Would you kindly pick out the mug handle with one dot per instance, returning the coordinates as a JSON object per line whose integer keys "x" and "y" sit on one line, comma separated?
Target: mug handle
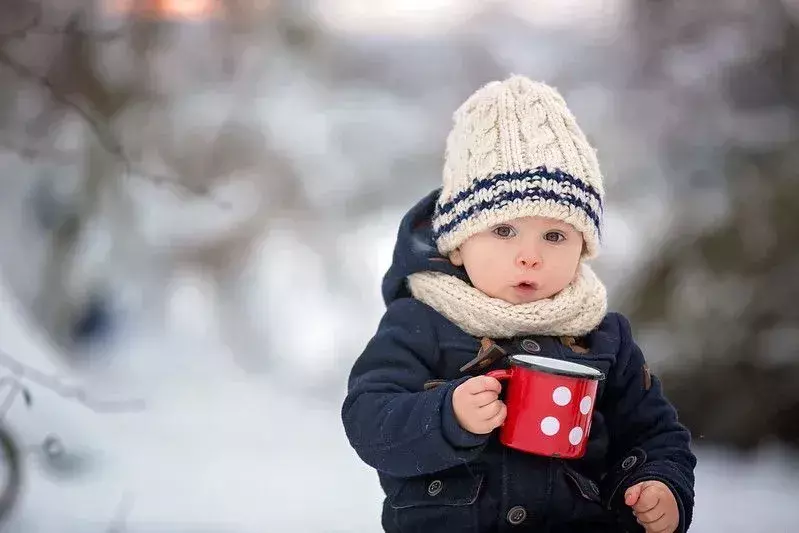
{"x": 502, "y": 373}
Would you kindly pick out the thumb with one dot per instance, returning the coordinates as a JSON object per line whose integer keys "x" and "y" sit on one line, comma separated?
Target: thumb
{"x": 632, "y": 494}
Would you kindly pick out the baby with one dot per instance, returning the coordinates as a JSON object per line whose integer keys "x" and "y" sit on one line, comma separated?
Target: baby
{"x": 492, "y": 264}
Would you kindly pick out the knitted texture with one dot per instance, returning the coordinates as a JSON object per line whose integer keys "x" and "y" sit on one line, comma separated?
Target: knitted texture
{"x": 575, "y": 311}
{"x": 516, "y": 150}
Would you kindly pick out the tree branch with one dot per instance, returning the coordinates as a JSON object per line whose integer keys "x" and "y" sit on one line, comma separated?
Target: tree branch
{"x": 103, "y": 134}
{"x": 24, "y": 31}
{"x": 53, "y": 383}
{"x": 123, "y": 510}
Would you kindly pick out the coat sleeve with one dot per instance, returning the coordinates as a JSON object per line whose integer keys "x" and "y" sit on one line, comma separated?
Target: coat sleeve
{"x": 393, "y": 424}
{"x": 647, "y": 442}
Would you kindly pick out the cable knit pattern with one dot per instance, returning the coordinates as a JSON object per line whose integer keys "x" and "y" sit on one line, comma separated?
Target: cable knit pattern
{"x": 516, "y": 150}
{"x": 476, "y": 119}
{"x": 575, "y": 311}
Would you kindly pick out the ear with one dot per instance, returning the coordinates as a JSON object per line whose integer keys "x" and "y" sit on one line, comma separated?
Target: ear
{"x": 455, "y": 257}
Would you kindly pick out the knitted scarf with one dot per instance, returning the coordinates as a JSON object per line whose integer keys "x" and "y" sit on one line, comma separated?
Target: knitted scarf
{"x": 574, "y": 311}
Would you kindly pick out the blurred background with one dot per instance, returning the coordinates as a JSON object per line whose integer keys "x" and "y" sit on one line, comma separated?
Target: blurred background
{"x": 198, "y": 199}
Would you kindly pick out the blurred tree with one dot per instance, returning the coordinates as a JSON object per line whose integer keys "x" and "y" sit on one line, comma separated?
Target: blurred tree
{"x": 60, "y": 66}
{"x": 59, "y": 61}
{"x": 727, "y": 288}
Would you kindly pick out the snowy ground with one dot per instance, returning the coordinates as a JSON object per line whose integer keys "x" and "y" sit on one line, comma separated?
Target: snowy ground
{"x": 216, "y": 450}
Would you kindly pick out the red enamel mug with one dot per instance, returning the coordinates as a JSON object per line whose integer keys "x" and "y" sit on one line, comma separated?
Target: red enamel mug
{"x": 550, "y": 403}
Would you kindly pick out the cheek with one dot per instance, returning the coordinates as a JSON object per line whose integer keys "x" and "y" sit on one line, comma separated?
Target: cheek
{"x": 566, "y": 266}
{"x": 480, "y": 269}
{"x": 483, "y": 272}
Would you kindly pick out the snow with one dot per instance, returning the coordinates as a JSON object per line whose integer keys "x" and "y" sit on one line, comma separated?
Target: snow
{"x": 216, "y": 449}
{"x": 212, "y": 450}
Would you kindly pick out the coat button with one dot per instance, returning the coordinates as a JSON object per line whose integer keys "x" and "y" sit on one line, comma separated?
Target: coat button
{"x": 435, "y": 487}
{"x": 516, "y": 515}
{"x": 530, "y": 346}
{"x": 629, "y": 462}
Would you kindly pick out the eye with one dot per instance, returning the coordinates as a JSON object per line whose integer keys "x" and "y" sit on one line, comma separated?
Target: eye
{"x": 504, "y": 231}
{"x": 554, "y": 236}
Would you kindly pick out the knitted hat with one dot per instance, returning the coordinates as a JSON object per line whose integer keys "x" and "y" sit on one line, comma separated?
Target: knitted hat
{"x": 516, "y": 150}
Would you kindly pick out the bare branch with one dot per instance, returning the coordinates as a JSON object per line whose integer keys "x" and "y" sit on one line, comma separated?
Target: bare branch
{"x": 53, "y": 383}
{"x": 27, "y": 29}
{"x": 67, "y": 30}
{"x": 93, "y": 105}
{"x": 36, "y": 27}
{"x": 15, "y": 389}
{"x": 124, "y": 508}
{"x": 29, "y": 152}
{"x": 103, "y": 134}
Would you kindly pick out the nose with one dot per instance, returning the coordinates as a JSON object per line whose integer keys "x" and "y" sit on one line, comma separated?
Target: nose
{"x": 528, "y": 257}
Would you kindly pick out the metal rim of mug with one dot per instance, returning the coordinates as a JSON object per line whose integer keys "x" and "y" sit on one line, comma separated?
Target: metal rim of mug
{"x": 558, "y": 367}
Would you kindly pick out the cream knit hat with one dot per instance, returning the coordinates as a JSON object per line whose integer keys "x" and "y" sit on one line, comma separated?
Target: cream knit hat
{"x": 516, "y": 150}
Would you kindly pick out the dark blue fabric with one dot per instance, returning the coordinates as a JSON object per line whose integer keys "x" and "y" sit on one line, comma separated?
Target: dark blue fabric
{"x": 440, "y": 477}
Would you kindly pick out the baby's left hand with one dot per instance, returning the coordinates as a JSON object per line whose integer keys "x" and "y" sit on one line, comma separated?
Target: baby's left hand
{"x": 654, "y": 506}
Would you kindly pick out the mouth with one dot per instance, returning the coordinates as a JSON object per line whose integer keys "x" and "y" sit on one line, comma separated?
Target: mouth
{"x": 527, "y": 286}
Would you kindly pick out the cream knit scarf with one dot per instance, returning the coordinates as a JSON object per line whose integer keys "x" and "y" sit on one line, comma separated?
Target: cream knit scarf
{"x": 575, "y": 311}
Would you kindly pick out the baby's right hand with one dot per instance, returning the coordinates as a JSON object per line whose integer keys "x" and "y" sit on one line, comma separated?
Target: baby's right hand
{"x": 477, "y": 405}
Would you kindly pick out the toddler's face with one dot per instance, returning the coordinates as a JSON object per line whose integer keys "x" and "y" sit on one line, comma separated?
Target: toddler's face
{"x": 523, "y": 260}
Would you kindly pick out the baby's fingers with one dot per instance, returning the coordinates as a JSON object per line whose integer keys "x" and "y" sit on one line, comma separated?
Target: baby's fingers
{"x": 650, "y": 517}
{"x": 648, "y": 499}
{"x": 501, "y": 411}
{"x": 484, "y": 398}
{"x": 491, "y": 384}
{"x": 479, "y": 384}
{"x": 660, "y": 525}
{"x": 487, "y": 412}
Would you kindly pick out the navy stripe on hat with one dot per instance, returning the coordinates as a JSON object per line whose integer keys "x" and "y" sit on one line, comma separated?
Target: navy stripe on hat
{"x": 533, "y": 191}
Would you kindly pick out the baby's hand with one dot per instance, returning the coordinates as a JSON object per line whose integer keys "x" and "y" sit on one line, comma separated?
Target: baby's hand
{"x": 654, "y": 506}
{"x": 477, "y": 405}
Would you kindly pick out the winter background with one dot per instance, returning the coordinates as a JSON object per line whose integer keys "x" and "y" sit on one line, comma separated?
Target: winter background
{"x": 198, "y": 200}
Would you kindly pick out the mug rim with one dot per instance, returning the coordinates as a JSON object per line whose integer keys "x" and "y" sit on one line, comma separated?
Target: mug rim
{"x": 561, "y": 367}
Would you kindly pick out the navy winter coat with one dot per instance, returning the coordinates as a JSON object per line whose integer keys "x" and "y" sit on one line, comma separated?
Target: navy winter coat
{"x": 439, "y": 477}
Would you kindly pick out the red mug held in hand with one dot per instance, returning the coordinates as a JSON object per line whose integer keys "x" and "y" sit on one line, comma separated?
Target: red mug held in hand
{"x": 550, "y": 403}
